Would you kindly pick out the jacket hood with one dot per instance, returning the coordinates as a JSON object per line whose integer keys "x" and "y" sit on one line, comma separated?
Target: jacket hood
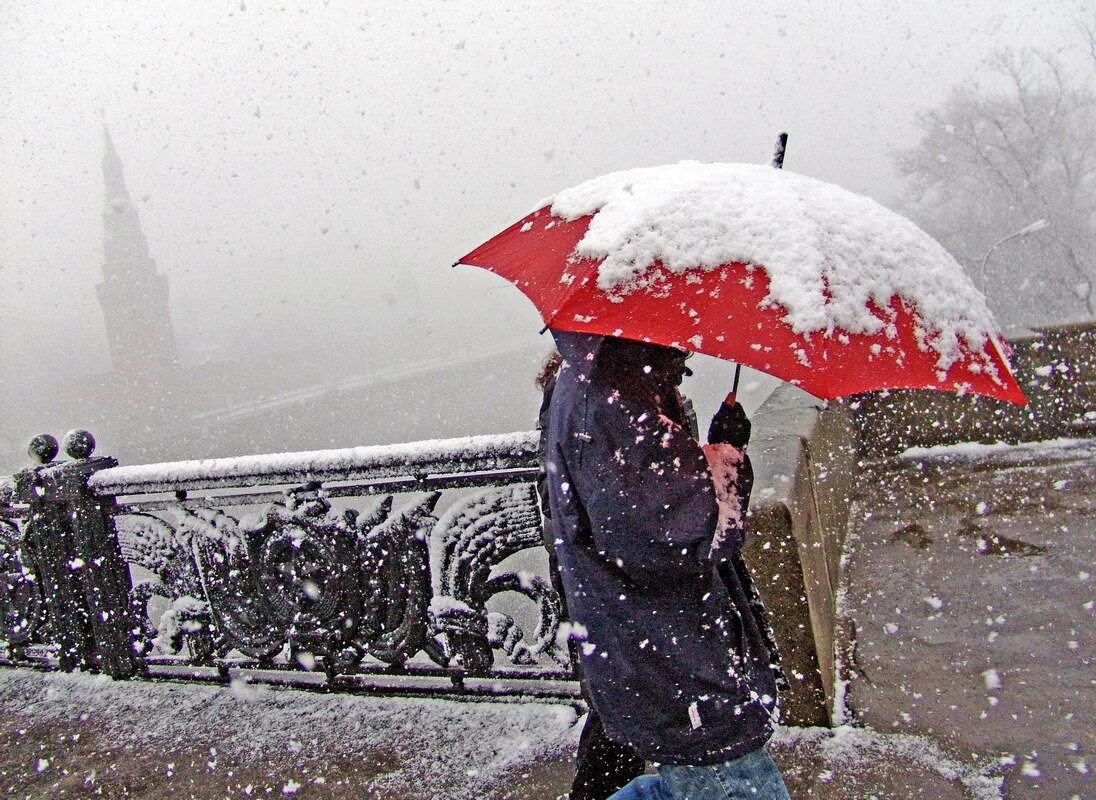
{"x": 629, "y": 359}
{"x": 579, "y": 350}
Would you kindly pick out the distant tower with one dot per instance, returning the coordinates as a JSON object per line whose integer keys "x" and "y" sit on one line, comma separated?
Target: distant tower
{"x": 133, "y": 294}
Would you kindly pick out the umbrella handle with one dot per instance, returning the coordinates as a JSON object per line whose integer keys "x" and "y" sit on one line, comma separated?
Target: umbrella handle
{"x": 732, "y": 395}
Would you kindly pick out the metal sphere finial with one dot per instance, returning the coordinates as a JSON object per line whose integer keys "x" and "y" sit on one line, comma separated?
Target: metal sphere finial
{"x": 78, "y": 444}
{"x": 42, "y": 448}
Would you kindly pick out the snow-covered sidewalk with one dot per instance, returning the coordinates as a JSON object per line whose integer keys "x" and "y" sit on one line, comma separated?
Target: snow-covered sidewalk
{"x": 79, "y": 735}
{"x": 87, "y": 736}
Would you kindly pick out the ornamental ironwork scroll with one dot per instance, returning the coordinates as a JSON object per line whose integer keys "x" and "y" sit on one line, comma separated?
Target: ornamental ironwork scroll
{"x": 329, "y": 586}
{"x": 22, "y": 608}
{"x": 473, "y": 537}
{"x": 399, "y": 559}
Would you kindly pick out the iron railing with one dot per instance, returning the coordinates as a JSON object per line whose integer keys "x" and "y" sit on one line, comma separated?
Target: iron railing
{"x": 402, "y": 568}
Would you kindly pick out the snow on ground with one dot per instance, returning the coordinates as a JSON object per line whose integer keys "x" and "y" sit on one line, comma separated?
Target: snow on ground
{"x": 156, "y": 739}
{"x": 834, "y": 258}
{"x": 979, "y": 450}
{"x": 849, "y": 747}
{"x": 410, "y": 747}
{"x": 443, "y": 748}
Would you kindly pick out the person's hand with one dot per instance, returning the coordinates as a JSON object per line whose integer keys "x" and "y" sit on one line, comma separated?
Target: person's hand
{"x": 730, "y": 425}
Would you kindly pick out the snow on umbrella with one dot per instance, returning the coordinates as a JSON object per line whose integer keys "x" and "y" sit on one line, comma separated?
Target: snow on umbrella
{"x": 792, "y": 276}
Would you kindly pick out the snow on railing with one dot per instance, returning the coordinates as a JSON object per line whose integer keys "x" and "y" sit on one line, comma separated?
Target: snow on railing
{"x": 431, "y": 457}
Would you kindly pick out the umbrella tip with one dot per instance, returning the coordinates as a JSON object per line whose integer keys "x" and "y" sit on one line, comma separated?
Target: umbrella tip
{"x": 779, "y": 148}
{"x": 455, "y": 264}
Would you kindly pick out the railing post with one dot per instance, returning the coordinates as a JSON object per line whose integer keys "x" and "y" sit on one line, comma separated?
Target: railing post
{"x": 67, "y": 612}
{"x": 107, "y": 585}
{"x": 87, "y": 583}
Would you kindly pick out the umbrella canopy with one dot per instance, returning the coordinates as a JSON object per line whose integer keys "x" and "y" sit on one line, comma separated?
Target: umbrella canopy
{"x": 792, "y": 276}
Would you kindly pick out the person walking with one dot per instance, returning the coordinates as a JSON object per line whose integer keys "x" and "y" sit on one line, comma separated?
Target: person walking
{"x": 648, "y": 529}
{"x": 602, "y": 766}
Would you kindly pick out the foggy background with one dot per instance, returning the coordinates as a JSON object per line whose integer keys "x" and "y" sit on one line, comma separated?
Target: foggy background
{"x": 305, "y": 173}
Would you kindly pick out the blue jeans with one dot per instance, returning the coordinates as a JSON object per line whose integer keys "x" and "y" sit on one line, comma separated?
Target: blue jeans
{"x": 754, "y": 776}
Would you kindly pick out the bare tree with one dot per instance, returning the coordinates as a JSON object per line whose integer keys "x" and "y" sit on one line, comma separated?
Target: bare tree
{"x": 1015, "y": 146}
{"x": 1088, "y": 33}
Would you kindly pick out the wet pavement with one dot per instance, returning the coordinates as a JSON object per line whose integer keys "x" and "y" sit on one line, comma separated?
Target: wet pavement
{"x": 968, "y": 608}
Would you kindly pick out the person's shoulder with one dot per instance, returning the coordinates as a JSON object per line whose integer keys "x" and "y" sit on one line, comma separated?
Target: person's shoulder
{"x": 611, "y": 407}
{"x": 590, "y": 420}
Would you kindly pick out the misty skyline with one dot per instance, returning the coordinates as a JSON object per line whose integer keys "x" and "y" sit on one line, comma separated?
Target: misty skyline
{"x": 305, "y": 172}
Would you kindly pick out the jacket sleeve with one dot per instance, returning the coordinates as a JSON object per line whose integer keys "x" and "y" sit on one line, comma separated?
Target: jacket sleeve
{"x": 647, "y": 490}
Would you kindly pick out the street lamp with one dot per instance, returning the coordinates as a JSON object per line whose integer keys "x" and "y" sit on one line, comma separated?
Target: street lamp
{"x": 1038, "y": 225}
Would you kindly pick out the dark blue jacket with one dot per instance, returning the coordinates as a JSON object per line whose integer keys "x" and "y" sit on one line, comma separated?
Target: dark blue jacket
{"x": 675, "y": 661}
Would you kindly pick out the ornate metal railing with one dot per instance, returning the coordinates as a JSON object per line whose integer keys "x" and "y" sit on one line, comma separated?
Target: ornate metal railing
{"x": 404, "y": 568}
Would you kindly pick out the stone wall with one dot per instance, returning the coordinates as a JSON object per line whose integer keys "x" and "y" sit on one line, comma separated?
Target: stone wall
{"x": 806, "y": 456}
{"x": 1056, "y": 368}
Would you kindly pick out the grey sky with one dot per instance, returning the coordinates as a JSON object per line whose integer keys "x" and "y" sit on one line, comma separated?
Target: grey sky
{"x": 293, "y": 161}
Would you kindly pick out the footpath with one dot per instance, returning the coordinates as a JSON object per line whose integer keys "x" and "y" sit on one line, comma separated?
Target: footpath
{"x": 80, "y": 736}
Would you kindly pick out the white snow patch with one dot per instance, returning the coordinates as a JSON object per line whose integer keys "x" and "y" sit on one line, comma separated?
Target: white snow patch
{"x": 991, "y": 679}
{"x": 841, "y": 679}
{"x": 178, "y": 618}
{"x": 834, "y": 259}
{"x": 981, "y": 450}
{"x": 389, "y": 459}
{"x": 846, "y": 746}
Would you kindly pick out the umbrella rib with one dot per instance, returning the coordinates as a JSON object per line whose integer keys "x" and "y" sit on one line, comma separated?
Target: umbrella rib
{"x": 559, "y": 310}
{"x": 567, "y": 298}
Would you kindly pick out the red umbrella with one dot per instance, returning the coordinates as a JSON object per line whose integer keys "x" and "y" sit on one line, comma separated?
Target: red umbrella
{"x": 734, "y": 309}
